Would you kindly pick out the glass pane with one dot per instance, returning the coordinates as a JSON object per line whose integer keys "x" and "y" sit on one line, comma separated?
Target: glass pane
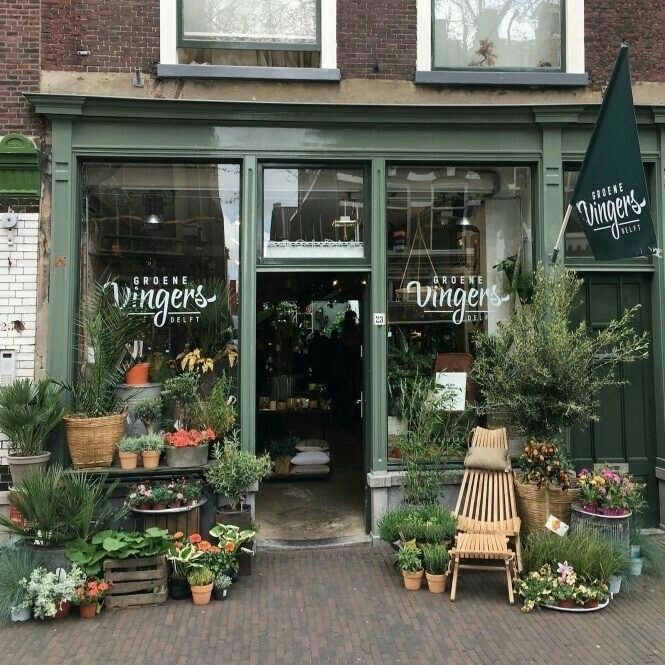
{"x": 497, "y": 33}
{"x": 456, "y": 239}
{"x": 313, "y": 212}
{"x": 269, "y": 21}
{"x": 167, "y": 239}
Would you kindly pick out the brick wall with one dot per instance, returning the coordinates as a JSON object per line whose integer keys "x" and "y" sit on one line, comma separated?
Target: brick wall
{"x": 640, "y": 22}
{"x": 120, "y": 34}
{"x": 18, "y": 297}
{"x": 19, "y": 64}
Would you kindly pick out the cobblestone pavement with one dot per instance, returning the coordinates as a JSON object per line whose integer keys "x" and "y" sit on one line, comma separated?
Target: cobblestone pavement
{"x": 348, "y": 606}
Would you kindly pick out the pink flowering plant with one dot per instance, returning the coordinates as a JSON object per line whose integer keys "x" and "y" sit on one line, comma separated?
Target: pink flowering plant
{"x": 609, "y": 492}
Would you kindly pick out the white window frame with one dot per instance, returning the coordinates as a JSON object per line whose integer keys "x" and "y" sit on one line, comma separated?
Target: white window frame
{"x": 574, "y": 21}
{"x": 168, "y": 30}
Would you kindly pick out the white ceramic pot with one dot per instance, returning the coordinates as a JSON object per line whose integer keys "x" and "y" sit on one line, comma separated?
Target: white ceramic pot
{"x": 636, "y": 566}
{"x": 614, "y": 582}
{"x": 21, "y": 615}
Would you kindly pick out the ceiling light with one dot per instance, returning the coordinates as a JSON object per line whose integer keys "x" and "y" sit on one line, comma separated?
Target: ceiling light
{"x": 153, "y": 219}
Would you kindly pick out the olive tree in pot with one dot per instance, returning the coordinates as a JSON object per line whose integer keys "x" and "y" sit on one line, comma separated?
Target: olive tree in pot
{"x": 29, "y": 411}
{"x": 547, "y": 373}
{"x": 232, "y": 474}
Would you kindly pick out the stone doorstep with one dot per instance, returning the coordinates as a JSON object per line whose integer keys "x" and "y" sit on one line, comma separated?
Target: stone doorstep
{"x": 379, "y": 479}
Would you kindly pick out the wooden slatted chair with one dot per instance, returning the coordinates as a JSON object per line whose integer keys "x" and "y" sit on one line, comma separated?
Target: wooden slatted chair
{"x": 487, "y": 511}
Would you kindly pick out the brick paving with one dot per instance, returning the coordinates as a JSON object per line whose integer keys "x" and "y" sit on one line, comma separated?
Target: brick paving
{"x": 347, "y": 606}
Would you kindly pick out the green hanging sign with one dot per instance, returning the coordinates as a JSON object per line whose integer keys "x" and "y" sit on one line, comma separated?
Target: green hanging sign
{"x": 611, "y": 200}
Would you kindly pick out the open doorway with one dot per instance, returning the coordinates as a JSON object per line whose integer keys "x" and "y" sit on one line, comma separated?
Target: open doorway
{"x": 309, "y": 363}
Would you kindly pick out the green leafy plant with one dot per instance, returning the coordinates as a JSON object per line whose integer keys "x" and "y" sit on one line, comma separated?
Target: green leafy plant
{"x": 50, "y": 589}
{"x": 200, "y": 576}
{"x": 543, "y": 371}
{"x": 29, "y": 411}
{"x": 130, "y": 444}
{"x": 435, "y": 559}
{"x": 105, "y": 329}
{"x": 152, "y": 442}
{"x": 59, "y": 505}
{"x": 218, "y": 411}
{"x": 231, "y": 538}
{"x": 222, "y": 581}
{"x": 181, "y": 392}
{"x": 234, "y": 471}
{"x": 425, "y": 524}
{"x": 409, "y": 559}
{"x": 406, "y": 363}
{"x": 148, "y": 412}
{"x": 16, "y": 566}
{"x": 592, "y": 557}
{"x": 650, "y": 549}
{"x": 109, "y": 544}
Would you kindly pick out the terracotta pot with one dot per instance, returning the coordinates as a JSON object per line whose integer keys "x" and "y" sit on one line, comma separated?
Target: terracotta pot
{"x": 145, "y": 506}
{"x": 413, "y": 581}
{"x": 151, "y": 458}
{"x": 201, "y": 594}
{"x": 176, "y": 503}
{"x": 568, "y": 603}
{"x": 160, "y": 505}
{"x": 436, "y": 583}
{"x": 88, "y": 611}
{"x": 128, "y": 460}
{"x": 591, "y": 604}
{"x": 137, "y": 375}
{"x": 62, "y": 609}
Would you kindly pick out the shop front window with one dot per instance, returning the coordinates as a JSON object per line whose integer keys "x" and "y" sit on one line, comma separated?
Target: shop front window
{"x": 164, "y": 241}
{"x": 498, "y": 34}
{"x": 313, "y": 212}
{"x": 459, "y": 257}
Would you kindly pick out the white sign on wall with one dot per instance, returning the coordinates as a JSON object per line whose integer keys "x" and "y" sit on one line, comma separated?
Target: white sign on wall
{"x": 454, "y": 385}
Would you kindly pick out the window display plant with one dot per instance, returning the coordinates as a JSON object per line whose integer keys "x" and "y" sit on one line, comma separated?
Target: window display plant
{"x": 218, "y": 411}
{"x": 181, "y": 394}
{"x": 149, "y": 412}
{"x": 129, "y": 449}
{"x": 29, "y": 411}
{"x": 546, "y": 373}
{"x": 151, "y": 450}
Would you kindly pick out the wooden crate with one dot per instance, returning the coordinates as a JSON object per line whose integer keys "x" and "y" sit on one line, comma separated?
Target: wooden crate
{"x": 188, "y": 522}
{"x": 136, "y": 582}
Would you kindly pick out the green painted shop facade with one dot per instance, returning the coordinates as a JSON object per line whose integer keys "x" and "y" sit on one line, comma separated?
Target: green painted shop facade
{"x": 549, "y": 141}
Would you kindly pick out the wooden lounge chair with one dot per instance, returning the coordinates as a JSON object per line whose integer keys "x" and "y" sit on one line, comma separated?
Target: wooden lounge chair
{"x": 486, "y": 510}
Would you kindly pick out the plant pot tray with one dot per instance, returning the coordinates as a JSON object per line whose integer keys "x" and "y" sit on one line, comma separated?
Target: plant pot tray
{"x": 578, "y": 610}
{"x": 136, "y": 581}
{"x": 168, "y": 511}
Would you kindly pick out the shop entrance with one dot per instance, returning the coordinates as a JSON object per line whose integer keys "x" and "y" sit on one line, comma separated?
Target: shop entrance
{"x": 310, "y": 392}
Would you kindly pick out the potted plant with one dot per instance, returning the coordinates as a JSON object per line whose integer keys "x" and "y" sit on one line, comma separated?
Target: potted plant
{"x": 436, "y": 560}
{"x": 148, "y": 412}
{"x": 221, "y": 586}
{"x": 96, "y": 421}
{"x": 548, "y": 374}
{"x": 181, "y": 394}
{"x": 232, "y": 473}
{"x": 608, "y": 493}
{"x": 128, "y": 451}
{"x": 218, "y": 411}
{"x": 29, "y": 411}
{"x": 182, "y": 554}
{"x": 137, "y": 372}
{"x": 151, "y": 450}
{"x": 16, "y": 566}
{"x": 185, "y": 448}
{"x": 89, "y": 597}
{"x": 409, "y": 561}
{"x": 54, "y": 591}
{"x": 201, "y": 583}
{"x": 161, "y": 496}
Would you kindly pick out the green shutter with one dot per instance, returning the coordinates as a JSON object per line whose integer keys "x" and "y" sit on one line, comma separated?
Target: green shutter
{"x": 19, "y": 168}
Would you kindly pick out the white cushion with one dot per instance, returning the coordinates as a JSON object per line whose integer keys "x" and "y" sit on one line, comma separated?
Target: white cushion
{"x": 320, "y": 457}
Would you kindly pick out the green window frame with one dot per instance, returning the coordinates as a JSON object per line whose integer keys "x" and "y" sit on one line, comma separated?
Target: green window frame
{"x": 557, "y": 70}
{"x": 249, "y": 45}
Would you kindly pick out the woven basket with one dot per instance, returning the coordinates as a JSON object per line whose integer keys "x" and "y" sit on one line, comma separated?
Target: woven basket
{"x": 92, "y": 441}
{"x": 535, "y": 505}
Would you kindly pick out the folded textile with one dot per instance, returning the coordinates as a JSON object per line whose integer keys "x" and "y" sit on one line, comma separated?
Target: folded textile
{"x": 319, "y": 457}
{"x": 310, "y": 469}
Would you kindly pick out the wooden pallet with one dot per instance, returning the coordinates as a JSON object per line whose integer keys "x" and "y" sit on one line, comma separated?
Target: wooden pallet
{"x": 136, "y": 582}
{"x": 188, "y": 522}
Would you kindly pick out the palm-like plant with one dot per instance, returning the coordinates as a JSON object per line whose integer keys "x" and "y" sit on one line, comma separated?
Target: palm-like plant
{"x": 29, "y": 410}
{"x": 58, "y": 506}
{"x": 104, "y": 327}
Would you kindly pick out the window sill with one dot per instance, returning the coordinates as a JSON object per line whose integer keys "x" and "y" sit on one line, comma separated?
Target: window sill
{"x": 518, "y": 79}
{"x": 248, "y": 73}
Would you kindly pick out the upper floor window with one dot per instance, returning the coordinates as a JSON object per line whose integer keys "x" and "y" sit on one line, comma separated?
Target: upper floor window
{"x": 271, "y": 24}
{"x": 498, "y": 34}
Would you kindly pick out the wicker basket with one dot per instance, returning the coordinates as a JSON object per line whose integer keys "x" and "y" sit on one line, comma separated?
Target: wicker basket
{"x": 535, "y": 505}
{"x": 92, "y": 441}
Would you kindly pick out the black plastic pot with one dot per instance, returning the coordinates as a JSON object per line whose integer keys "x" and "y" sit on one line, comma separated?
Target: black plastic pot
{"x": 240, "y": 518}
{"x": 232, "y": 574}
{"x": 219, "y": 594}
{"x": 179, "y": 588}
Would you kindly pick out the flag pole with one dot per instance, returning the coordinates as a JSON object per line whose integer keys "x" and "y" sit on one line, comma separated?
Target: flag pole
{"x": 555, "y": 251}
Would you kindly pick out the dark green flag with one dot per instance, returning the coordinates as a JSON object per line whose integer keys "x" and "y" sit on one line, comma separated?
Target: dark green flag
{"x": 611, "y": 200}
